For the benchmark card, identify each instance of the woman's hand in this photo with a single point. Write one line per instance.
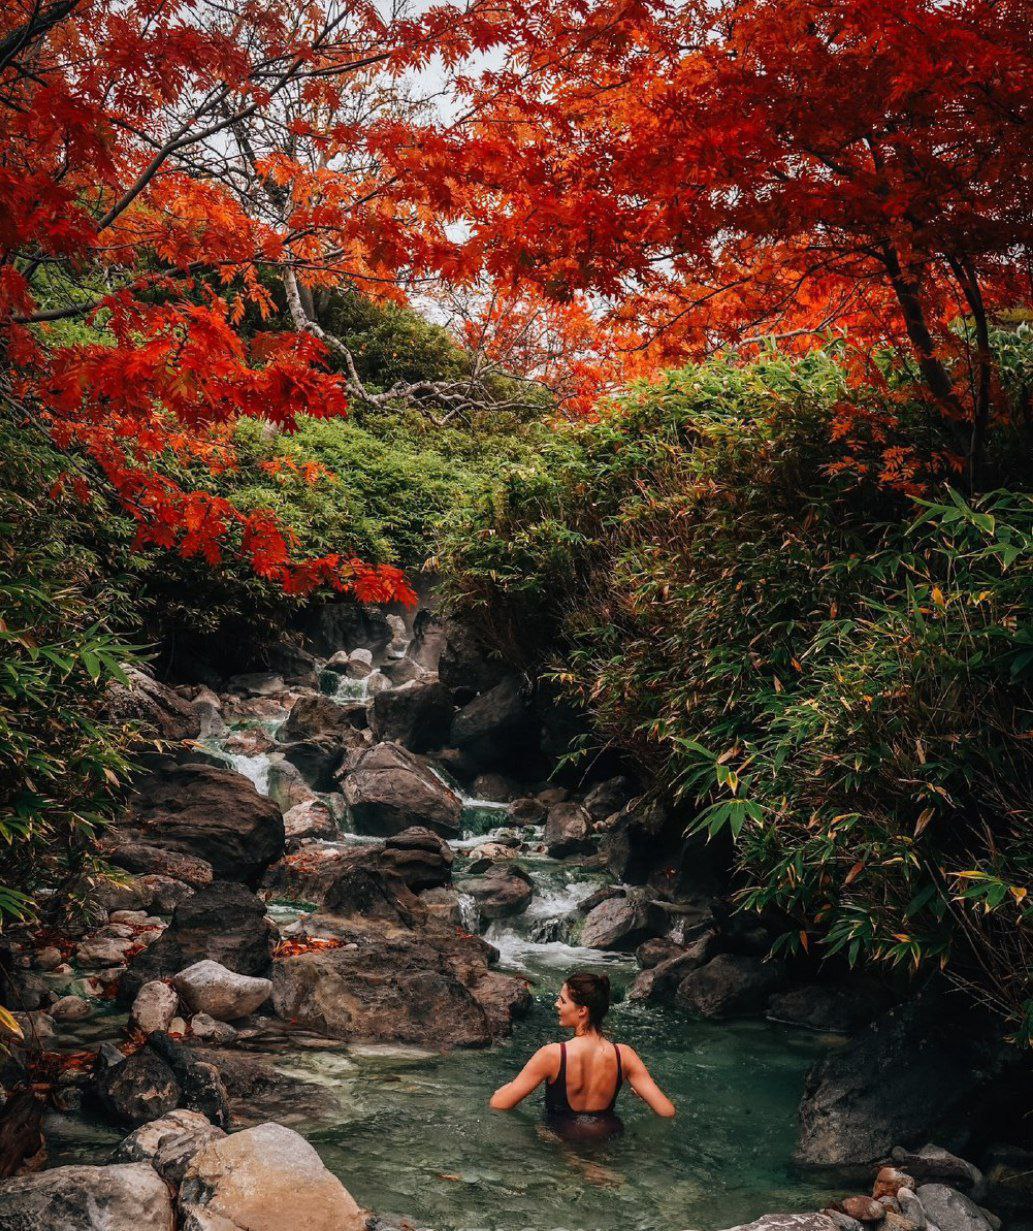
(539, 1068)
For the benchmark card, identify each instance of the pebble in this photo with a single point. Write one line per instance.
(70, 1009)
(864, 1209)
(49, 958)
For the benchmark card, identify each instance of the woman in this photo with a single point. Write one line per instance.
(583, 1077)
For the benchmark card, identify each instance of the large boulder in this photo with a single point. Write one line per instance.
(345, 624)
(621, 923)
(497, 729)
(223, 921)
(317, 761)
(319, 718)
(125, 1197)
(568, 831)
(939, 1067)
(213, 814)
(371, 893)
(659, 982)
(311, 819)
(209, 987)
(826, 1007)
(729, 985)
(608, 797)
(390, 790)
(428, 640)
(134, 1089)
(155, 1006)
(200, 1081)
(158, 709)
(504, 890)
(382, 987)
(950, 1210)
(418, 715)
(419, 857)
(168, 1144)
(933, 1164)
(153, 861)
(264, 1179)
(462, 661)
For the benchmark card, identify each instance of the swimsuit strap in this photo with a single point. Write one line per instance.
(620, 1078)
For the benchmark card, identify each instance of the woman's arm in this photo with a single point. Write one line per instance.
(540, 1067)
(643, 1085)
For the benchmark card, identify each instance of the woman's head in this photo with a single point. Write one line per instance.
(584, 1001)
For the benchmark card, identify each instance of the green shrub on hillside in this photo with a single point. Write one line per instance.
(839, 677)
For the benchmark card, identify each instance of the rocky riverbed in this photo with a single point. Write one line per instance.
(362, 848)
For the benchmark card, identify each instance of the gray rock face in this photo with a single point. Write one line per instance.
(389, 790)
(504, 890)
(161, 711)
(789, 1222)
(168, 1144)
(728, 986)
(135, 1089)
(223, 921)
(620, 923)
(498, 728)
(387, 988)
(264, 1179)
(127, 1197)
(939, 1076)
(155, 1006)
(370, 892)
(209, 987)
(213, 814)
(950, 1210)
(568, 830)
(418, 715)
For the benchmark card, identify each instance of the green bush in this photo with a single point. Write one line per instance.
(839, 677)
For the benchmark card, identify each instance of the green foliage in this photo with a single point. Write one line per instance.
(840, 678)
(61, 623)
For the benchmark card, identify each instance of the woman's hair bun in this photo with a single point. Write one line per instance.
(592, 992)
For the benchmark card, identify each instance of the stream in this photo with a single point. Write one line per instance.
(413, 1134)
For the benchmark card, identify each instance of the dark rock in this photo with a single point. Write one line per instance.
(504, 890)
(317, 761)
(428, 640)
(312, 819)
(202, 1087)
(621, 923)
(417, 716)
(661, 981)
(213, 814)
(950, 1210)
(257, 684)
(296, 665)
(606, 798)
(168, 1144)
(1009, 1178)
(390, 790)
(286, 784)
(655, 950)
(159, 710)
(319, 718)
(568, 831)
(939, 1067)
(419, 857)
(463, 661)
(934, 1164)
(827, 1008)
(498, 728)
(373, 894)
(503, 999)
(223, 921)
(729, 985)
(134, 1089)
(345, 624)
(494, 787)
(125, 1197)
(630, 846)
(402, 671)
(863, 1209)
(151, 860)
(527, 811)
(790, 1222)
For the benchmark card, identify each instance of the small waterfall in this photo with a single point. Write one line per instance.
(255, 768)
(469, 916)
(350, 690)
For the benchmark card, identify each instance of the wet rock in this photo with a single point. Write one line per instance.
(389, 790)
(864, 1209)
(295, 665)
(71, 1009)
(317, 761)
(200, 1081)
(419, 857)
(209, 987)
(631, 844)
(568, 830)
(932, 1163)
(661, 981)
(372, 893)
(729, 985)
(223, 921)
(98, 952)
(257, 684)
(497, 729)
(417, 715)
(206, 1029)
(318, 717)
(211, 814)
(168, 1144)
(135, 1089)
(402, 671)
(826, 1008)
(387, 988)
(889, 1181)
(160, 710)
(503, 999)
(246, 1182)
(311, 819)
(494, 787)
(911, 1208)
(620, 923)
(527, 811)
(1009, 1178)
(655, 950)
(428, 639)
(606, 798)
(287, 786)
(843, 1221)
(950, 1210)
(503, 891)
(126, 1197)
(940, 1073)
(154, 1007)
(789, 1222)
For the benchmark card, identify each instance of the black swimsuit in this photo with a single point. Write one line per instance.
(580, 1125)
